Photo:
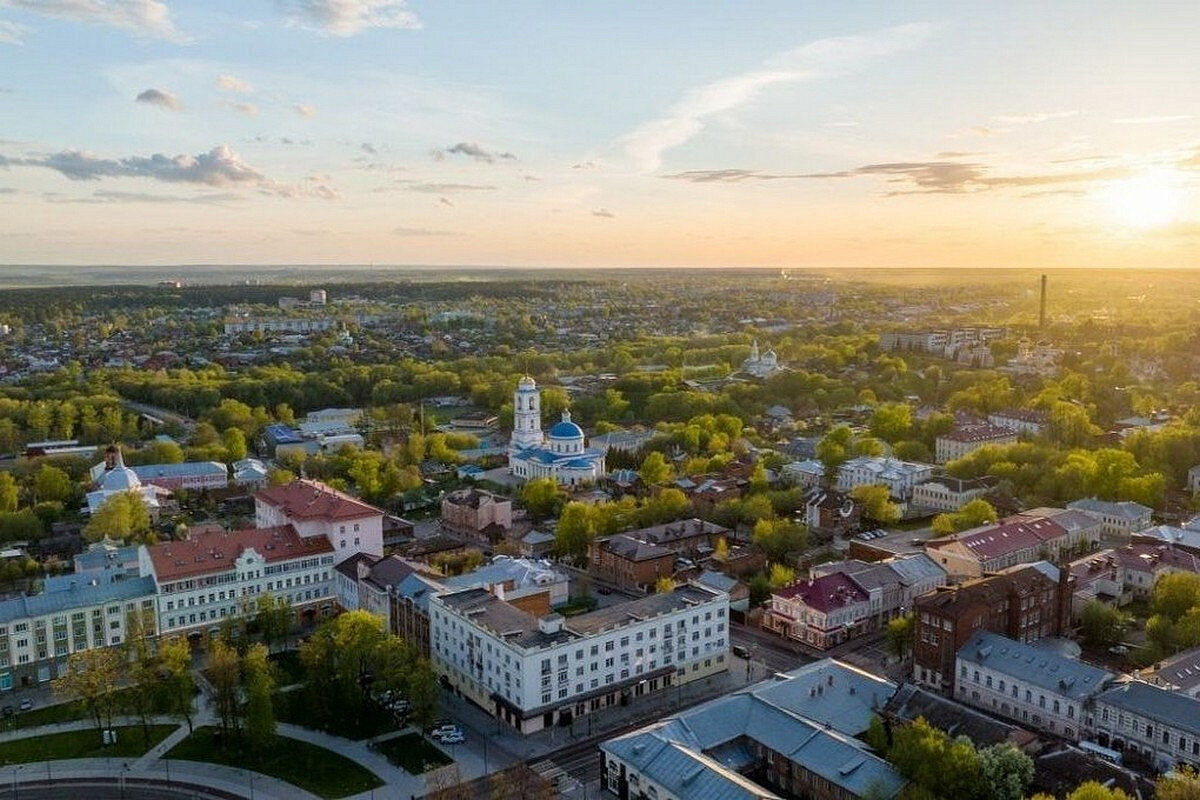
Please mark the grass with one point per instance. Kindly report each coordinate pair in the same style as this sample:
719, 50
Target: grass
311, 768
299, 708
413, 753
81, 744
60, 712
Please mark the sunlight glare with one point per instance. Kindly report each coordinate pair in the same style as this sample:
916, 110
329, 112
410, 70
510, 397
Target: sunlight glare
1149, 200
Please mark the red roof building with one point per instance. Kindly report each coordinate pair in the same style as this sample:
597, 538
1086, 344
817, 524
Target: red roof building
318, 510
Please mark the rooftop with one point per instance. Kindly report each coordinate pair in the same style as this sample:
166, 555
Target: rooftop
1161, 705
1064, 676
186, 469
678, 531
825, 593
308, 499
631, 549
216, 551
1012, 534
87, 592
1125, 509
1181, 671
979, 432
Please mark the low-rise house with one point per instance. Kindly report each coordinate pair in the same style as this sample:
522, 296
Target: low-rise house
1029, 421
629, 440
949, 494
1119, 520
739, 593
899, 476
821, 612
320, 511
531, 586
478, 514
1025, 604
366, 583
911, 702
793, 735
429, 548
1015, 540
965, 439
1033, 686
1143, 564
250, 473
537, 544
688, 537
829, 513
629, 562
1134, 716
1180, 673
808, 473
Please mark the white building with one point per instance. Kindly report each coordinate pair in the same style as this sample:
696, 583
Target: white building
1031, 685
536, 672
317, 510
968, 438
950, 494
1022, 420
115, 478
1118, 520
761, 365
210, 576
808, 473
1161, 725
899, 476
561, 454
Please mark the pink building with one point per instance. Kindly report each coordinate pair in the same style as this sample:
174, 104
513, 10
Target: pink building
822, 612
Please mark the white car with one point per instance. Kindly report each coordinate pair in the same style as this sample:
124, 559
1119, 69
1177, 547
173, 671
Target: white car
442, 732
453, 738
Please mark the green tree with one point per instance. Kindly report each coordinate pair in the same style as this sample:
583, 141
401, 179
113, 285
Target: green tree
781, 575
91, 677
664, 585
1102, 625
779, 538
655, 469
225, 676
900, 632
122, 516
876, 501
178, 686
576, 527
259, 684
273, 618
540, 496
51, 484
834, 448
1183, 783
9, 493
973, 514
234, 442
1007, 772
1175, 594
891, 422
280, 477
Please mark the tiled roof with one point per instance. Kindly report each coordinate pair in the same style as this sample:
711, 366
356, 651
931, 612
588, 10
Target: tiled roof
308, 499
216, 551
826, 593
984, 432
993, 541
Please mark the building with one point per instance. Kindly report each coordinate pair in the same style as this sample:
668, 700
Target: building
899, 476
830, 513
945, 493
250, 473
630, 440
115, 478
194, 476
808, 473
535, 672
761, 365
561, 454
115, 560
629, 562
911, 702
1031, 685
317, 510
965, 439
1024, 604
1028, 421
211, 576
366, 583
1134, 716
739, 593
39, 632
793, 735
1118, 520
532, 586
477, 513
688, 537
410, 609
1179, 673
1016, 540
845, 599
248, 324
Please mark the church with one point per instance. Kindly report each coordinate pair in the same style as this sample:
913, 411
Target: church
761, 366
560, 454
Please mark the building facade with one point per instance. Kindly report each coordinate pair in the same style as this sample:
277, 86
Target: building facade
628, 562
968, 438
1118, 520
320, 511
899, 476
560, 454
1160, 725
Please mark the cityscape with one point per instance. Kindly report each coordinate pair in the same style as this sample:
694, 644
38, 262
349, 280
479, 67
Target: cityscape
814, 417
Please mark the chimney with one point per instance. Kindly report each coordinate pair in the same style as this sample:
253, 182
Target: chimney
1042, 311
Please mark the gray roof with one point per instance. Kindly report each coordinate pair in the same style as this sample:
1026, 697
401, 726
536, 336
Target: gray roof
916, 568
718, 581
809, 715
419, 588
1126, 509
181, 470
1063, 676
636, 610
521, 571
82, 595
912, 702
631, 549
1182, 670
1161, 705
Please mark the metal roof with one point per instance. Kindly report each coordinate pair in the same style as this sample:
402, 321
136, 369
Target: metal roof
1063, 676
86, 593
1164, 706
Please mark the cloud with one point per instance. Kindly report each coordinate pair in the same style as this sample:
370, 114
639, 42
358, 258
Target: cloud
231, 83
472, 150
249, 109
146, 18
824, 58
445, 201
584, 165
348, 17
446, 188
604, 212
402, 231
161, 98
1153, 120
305, 110
919, 177
1036, 116
12, 32
105, 197
367, 147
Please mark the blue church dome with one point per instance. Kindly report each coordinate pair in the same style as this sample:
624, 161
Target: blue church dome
566, 429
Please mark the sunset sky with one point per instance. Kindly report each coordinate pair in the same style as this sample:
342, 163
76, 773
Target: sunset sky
797, 134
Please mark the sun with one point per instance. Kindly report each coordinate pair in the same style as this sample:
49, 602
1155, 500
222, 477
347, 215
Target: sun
1149, 200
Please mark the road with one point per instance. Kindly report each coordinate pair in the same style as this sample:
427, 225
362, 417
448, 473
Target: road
111, 789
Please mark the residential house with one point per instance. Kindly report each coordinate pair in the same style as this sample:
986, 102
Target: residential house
965, 439
1161, 725
1119, 520
899, 476
949, 494
1033, 686
532, 586
796, 734
1029, 421
829, 513
629, 562
807, 474
1015, 540
477, 514
739, 593
317, 510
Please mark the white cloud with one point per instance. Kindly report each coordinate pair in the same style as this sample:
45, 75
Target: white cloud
1036, 116
824, 58
1153, 120
232, 83
249, 109
348, 17
305, 110
12, 32
161, 98
148, 18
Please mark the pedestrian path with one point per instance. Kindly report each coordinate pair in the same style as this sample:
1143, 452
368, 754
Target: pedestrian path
161, 749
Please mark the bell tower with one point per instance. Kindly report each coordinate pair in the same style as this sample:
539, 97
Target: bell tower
527, 416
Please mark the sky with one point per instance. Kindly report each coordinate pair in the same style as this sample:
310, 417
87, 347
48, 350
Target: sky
783, 134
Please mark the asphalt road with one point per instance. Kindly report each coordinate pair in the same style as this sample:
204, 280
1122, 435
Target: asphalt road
112, 789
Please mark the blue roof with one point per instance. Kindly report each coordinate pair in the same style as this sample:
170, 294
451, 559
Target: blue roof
181, 470
566, 430
84, 594
281, 434
1063, 676
1169, 708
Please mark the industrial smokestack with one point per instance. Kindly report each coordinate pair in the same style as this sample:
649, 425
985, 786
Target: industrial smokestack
1042, 312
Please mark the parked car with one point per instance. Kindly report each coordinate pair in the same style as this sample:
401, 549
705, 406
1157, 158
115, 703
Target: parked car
453, 738
441, 733
740, 651
26, 704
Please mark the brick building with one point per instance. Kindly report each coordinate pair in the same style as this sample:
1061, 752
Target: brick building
629, 562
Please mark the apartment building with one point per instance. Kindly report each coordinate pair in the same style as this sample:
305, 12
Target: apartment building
1118, 520
477, 513
965, 439
945, 493
628, 562
535, 672
191, 475
1025, 604
202, 580
792, 735
316, 510
899, 476
74, 613
1031, 422
1032, 686
1161, 725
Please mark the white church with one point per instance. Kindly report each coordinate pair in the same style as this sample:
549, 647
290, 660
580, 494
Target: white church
761, 366
561, 454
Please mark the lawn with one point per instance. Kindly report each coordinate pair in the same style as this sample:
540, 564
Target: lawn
81, 744
312, 768
299, 708
59, 712
413, 753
